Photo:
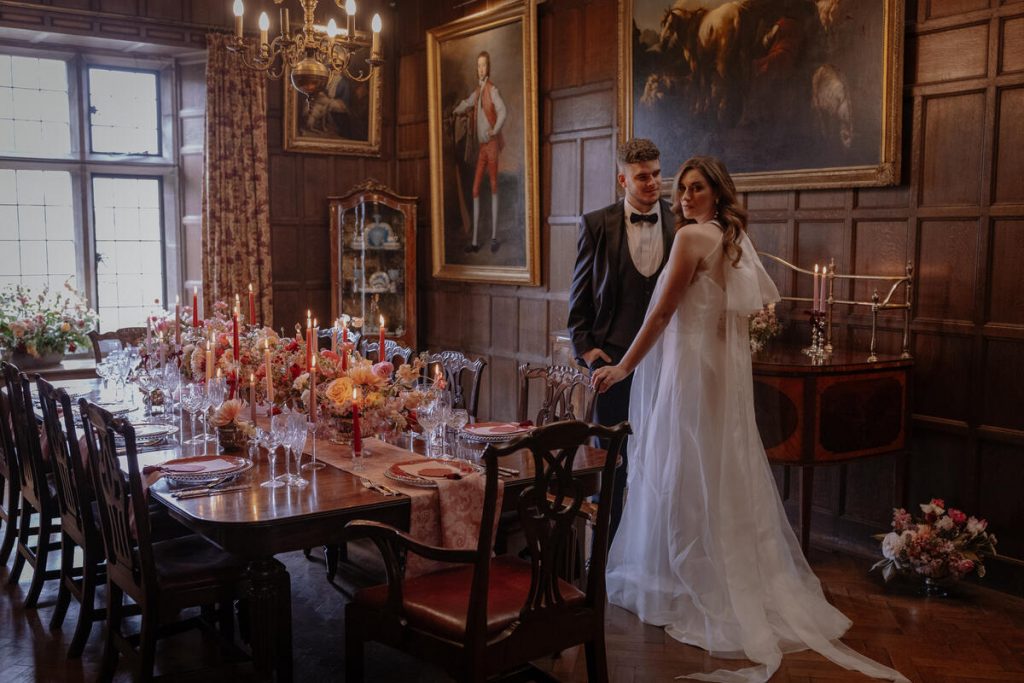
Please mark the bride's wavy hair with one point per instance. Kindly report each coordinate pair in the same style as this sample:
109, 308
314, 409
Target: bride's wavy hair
728, 211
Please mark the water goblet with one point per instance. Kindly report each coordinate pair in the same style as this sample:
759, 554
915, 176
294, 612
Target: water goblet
457, 419
429, 417
193, 398
272, 440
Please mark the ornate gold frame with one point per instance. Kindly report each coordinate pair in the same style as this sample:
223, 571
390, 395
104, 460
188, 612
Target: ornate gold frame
293, 142
887, 172
524, 11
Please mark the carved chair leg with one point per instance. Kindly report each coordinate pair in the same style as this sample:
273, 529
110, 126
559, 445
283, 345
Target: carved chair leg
353, 654
24, 522
46, 529
87, 609
115, 612
67, 564
597, 661
11, 525
147, 645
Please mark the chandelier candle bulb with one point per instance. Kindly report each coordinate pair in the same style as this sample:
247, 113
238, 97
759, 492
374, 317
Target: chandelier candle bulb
264, 28
239, 10
350, 20
332, 29
195, 302
376, 26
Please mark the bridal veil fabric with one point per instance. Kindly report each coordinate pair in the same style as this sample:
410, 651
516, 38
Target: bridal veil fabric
704, 548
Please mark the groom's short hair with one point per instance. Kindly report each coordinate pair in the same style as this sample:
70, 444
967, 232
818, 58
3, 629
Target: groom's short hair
637, 150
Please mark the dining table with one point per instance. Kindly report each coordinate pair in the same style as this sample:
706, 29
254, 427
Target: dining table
259, 523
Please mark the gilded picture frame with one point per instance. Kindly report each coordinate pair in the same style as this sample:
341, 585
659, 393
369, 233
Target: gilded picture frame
790, 94
344, 119
482, 103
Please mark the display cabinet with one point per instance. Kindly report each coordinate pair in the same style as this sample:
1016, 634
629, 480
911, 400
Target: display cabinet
373, 260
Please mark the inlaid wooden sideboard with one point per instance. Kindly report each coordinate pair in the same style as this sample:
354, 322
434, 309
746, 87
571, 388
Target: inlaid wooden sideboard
845, 409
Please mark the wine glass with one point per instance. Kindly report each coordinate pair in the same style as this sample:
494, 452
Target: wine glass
457, 419
429, 417
273, 440
193, 398
315, 464
297, 432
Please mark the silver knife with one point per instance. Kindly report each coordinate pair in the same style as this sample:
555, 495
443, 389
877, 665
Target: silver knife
212, 492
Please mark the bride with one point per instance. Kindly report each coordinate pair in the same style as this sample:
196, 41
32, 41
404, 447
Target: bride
704, 548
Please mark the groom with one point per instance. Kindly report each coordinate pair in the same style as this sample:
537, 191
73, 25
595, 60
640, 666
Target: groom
621, 250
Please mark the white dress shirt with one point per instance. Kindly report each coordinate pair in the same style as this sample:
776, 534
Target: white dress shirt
646, 245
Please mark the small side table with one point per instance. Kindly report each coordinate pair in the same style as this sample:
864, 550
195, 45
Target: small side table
846, 409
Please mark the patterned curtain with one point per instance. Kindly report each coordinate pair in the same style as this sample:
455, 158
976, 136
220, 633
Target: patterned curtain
236, 206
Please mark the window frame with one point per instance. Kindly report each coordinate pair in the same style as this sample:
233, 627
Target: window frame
83, 164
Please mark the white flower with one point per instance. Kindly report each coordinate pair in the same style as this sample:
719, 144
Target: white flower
975, 526
892, 545
944, 524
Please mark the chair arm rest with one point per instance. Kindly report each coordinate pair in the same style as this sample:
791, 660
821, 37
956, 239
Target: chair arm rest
385, 533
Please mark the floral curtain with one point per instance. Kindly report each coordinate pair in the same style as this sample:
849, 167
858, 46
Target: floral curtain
236, 205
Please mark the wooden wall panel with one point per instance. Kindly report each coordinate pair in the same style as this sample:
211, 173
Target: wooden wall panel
1006, 304
942, 369
1004, 367
935, 9
1011, 55
1009, 147
952, 55
1000, 463
946, 269
954, 133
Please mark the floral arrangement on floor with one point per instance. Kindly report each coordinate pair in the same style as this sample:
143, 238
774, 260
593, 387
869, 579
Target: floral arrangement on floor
44, 323
764, 326
943, 544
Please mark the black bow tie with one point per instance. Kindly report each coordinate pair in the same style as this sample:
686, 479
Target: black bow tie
643, 218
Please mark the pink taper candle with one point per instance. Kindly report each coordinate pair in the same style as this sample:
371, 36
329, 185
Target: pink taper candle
380, 348
312, 393
357, 436
823, 297
195, 307
814, 290
252, 306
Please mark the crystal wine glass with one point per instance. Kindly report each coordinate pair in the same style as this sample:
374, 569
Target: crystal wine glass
457, 419
273, 440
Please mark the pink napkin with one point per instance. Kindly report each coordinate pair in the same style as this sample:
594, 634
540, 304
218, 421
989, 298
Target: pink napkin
461, 502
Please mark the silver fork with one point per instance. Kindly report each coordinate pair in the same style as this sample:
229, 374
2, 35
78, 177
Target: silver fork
379, 488
207, 487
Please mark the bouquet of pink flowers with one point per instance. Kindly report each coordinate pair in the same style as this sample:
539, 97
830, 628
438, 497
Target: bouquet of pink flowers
944, 544
764, 326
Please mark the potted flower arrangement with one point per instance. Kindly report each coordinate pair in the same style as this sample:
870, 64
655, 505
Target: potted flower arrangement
231, 430
37, 329
764, 326
942, 546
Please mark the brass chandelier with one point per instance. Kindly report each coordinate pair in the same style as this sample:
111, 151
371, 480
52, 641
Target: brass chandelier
312, 54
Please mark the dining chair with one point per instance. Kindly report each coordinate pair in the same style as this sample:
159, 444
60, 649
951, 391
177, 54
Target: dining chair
566, 393
392, 350
161, 578
38, 493
10, 480
461, 374
489, 615
79, 526
104, 343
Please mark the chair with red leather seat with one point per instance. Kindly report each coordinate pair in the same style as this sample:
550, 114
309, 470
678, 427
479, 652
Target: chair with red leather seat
487, 616
79, 526
161, 578
38, 494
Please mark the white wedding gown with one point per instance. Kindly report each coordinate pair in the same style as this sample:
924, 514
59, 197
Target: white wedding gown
704, 547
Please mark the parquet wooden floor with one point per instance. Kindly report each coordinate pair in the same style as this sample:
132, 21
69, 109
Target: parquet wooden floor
973, 637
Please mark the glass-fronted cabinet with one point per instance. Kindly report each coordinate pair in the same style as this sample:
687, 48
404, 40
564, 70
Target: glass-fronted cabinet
373, 260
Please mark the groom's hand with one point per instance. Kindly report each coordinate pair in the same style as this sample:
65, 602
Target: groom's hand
591, 356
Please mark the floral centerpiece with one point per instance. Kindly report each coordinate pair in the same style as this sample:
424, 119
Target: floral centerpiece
943, 545
43, 326
764, 326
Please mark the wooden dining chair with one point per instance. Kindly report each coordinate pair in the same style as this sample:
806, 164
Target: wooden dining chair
393, 351
79, 526
566, 394
161, 578
104, 343
38, 494
10, 480
462, 375
486, 616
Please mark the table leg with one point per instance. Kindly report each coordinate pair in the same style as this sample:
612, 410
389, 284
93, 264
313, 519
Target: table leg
806, 496
270, 610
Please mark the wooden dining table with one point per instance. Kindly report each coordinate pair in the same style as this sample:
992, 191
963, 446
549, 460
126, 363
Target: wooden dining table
259, 523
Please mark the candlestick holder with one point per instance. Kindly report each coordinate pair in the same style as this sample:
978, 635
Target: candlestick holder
819, 349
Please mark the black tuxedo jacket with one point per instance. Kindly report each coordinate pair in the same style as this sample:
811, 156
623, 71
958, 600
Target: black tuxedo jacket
595, 279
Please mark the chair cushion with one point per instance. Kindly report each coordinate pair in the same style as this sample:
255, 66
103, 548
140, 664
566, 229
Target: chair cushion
438, 602
193, 562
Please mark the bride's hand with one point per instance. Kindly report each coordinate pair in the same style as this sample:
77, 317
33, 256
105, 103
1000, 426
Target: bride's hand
604, 377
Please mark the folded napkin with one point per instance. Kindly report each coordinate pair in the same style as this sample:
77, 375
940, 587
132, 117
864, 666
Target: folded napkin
461, 504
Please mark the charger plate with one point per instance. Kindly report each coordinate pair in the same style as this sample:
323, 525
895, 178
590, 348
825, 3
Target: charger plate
424, 472
204, 467
494, 432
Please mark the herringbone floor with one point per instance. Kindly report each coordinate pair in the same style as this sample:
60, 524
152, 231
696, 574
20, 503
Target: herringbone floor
975, 636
